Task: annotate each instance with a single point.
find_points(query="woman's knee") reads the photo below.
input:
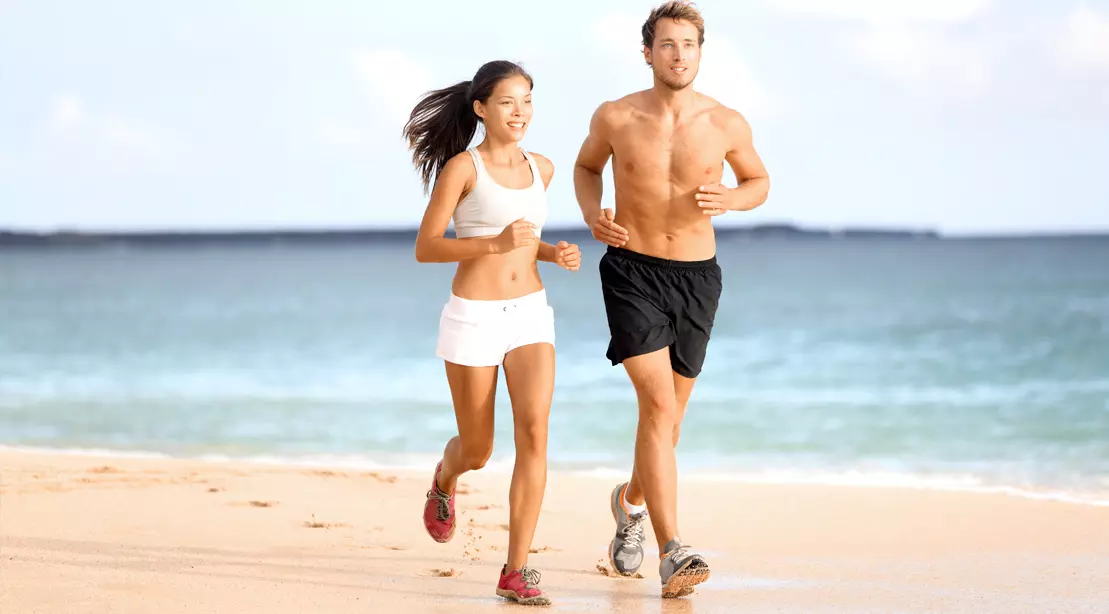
(476, 454)
(531, 437)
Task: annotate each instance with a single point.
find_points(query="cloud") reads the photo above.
(394, 80)
(885, 11)
(129, 135)
(117, 134)
(69, 112)
(338, 135)
(727, 76)
(913, 43)
(926, 61)
(1085, 42)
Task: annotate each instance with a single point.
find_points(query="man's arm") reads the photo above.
(589, 182)
(754, 182)
(591, 162)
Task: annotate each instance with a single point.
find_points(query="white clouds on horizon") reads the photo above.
(886, 11)
(926, 62)
(338, 134)
(132, 136)
(394, 81)
(1084, 43)
(68, 112)
(120, 135)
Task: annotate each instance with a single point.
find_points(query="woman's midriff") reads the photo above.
(498, 277)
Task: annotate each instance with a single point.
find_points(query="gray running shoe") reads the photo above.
(626, 550)
(680, 570)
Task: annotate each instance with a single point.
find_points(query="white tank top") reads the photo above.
(490, 207)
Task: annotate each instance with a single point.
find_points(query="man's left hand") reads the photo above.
(714, 199)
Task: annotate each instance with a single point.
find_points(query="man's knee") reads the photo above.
(659, 410)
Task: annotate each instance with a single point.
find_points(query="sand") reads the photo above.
(89, 534)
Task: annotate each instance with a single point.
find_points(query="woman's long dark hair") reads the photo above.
(443, 123)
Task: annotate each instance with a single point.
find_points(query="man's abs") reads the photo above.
(657, 170)
(659, 210)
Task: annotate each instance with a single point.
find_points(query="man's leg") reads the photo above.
(655, 463)
(683, 388)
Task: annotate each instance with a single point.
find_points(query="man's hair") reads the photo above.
(674, 9)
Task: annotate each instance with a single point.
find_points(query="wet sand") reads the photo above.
(88, 534)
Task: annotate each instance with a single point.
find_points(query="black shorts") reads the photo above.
(654, 303)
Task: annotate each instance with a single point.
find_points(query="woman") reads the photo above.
(497, 314)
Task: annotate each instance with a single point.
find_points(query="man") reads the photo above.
(659, 276)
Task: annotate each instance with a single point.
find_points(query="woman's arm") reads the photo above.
(456, 178)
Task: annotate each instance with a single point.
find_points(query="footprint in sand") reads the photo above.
(326, 473)
(262, 503)
(485, 508)
(387, 479)
(446, 573)
(315, 524)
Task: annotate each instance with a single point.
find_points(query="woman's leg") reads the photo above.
(529, 374)
(472, 390)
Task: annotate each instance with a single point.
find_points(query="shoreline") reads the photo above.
(943, 483)
(95, 534)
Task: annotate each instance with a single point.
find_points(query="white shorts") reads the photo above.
(480, 333)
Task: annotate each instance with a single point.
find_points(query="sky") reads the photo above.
(965, 116)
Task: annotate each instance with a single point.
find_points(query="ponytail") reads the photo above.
(440, 127)
(443, 122)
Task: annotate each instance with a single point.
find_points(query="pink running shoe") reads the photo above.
(521, 586)
(439, 511)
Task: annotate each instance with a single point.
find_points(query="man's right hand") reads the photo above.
(607, 231)
(518, 234)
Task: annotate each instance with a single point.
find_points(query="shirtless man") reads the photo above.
(659, 277)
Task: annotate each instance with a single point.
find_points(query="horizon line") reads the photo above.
(764, 228)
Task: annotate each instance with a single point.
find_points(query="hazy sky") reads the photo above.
(966, 115)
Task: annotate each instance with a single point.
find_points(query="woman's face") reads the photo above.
(507, 112)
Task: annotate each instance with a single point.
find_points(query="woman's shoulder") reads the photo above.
(546, 167)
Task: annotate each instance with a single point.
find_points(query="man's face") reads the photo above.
(676, 53)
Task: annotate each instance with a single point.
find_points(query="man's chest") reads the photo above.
(654, 149)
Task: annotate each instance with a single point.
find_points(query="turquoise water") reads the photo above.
(953, 363)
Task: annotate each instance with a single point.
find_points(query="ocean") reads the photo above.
(978, 364)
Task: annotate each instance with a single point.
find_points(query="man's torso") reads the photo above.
(658, 163)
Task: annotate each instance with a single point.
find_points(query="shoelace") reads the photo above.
(530, 576)
(444, 511)
(679, 553)
(633, 531)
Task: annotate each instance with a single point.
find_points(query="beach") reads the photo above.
(881, 426)
(87, 533)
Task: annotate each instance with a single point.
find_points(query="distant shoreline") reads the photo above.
(17, 238)
(12, 238)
